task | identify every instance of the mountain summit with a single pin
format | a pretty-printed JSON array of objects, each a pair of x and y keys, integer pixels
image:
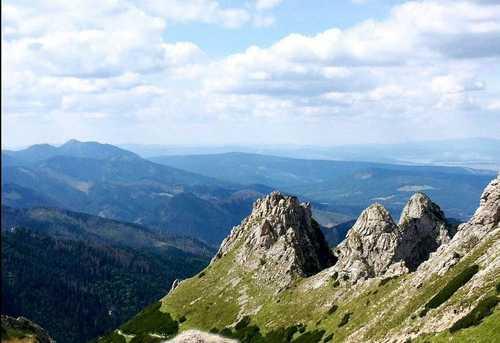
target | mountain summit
[
  {"x": 370, "y": 246},
  {"x": 376, "y": 246},
  {"x": 280, "y": 240},
  {"x": 423, "y": 229}
]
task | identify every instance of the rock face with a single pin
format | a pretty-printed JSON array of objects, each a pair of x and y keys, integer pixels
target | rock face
[
  {"x": 195, "y": 336},
  {"x": 485, "y": 221},
  {"x": 423, "y": 228},
  {"x": 488, "y": 213},
  {"x": 370, "y": 246},
  {"x": 376, "y": 246},
  {"x": 25, "y": 326},
  {"x": 456, "y": 287},
  {"x": 280, "y": 239}
]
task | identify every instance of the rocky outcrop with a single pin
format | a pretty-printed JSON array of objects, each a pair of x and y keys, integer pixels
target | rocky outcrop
[
  {"x": 370, "y": 246},
  {"x": 195, "y": 336},
  {"x": 280, "y": 239},
  {"x": 423, "y": 228},
  {"x": 275, "y": 243},
  {"x": 176, "y": 283},
  {"x": 25, "y": 326},
  {"x": 484, "y": 222},
  {"x": 376, "y": 246}
]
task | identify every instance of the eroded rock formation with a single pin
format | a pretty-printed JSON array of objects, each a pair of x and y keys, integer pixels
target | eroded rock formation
[{"x": 279, "y": 238}]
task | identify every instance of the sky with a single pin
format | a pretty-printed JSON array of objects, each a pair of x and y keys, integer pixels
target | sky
[{"x": 215, "y": 72}]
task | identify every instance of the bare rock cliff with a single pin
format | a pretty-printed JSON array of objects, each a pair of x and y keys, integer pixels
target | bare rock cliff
[
  {"x": 376, "y": 247},
  {"x": 280, "y": 240}
]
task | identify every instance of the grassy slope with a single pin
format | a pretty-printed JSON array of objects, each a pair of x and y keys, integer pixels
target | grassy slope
[{"x": 218, "y": 298}]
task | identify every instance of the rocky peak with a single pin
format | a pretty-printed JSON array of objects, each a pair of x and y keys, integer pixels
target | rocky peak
[
  {"x": 374, "y": 220},
  {"x": 485, "y": 222},
  {"x": 280, "y": 239},
  {"x": 376, "y": 246},
  {"x": 488, "y": 212},
  {"x": 420, "y": 207},
  {"x": 423, "y": 229},
  {"x": 370, "y": 245}
]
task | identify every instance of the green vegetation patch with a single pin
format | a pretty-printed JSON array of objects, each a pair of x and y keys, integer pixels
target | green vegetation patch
[
  {"x": 451, "y": 287},
  {"x": 332, "y": 309},
  {"x": 151, "y": 319},
  {"x": 8, "y": 333},
  {"x": 113, "y": 337},
  {"x": 484, "y": 308},
  {"x": 486, "y": 332},
  {"x": 345, "y": 319},
  {"x": 145, "y": 338},
  {"x": 246, "y": 333}
]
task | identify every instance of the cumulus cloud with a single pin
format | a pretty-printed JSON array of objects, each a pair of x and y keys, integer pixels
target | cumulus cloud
[
  {"x": 207, "y": 11},
  {"x": 428, "y": 68},
  {"x": 267, "y": 4}
]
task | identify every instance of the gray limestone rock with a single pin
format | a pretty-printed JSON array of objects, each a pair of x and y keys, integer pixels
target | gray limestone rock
[
  {"x": 280, "y": 240},
  {"x": 376, "y": 247}
]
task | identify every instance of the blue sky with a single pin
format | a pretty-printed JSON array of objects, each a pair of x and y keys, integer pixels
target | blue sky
[
  {"x": 294, "y": 16},
  {"x": 249, "y": 72}
]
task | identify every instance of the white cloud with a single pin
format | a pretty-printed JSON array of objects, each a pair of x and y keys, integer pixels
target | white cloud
[
  {"x": 267, "y": 4},
  {"x": 207, "y": 11},
  {"x": 429, "y": 68}
]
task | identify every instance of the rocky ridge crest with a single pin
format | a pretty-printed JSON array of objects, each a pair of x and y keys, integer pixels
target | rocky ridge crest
[
  {"x": 377, "y": 247},
  {"x": 279, "y": 238},
  {"x": 484, "y": 222}
]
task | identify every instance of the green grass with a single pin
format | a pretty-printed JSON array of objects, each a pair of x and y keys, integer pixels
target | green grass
[
  {"x": 113, "y": 337},
  {"x": 395, "y": 314},
  {"x": 483, "y": 309},
  {"x": 487, "y": 331},
  {"x": 13, "y": 333},
  {"x": 151, "y": 320},
  {"x": 219, "y": 300},
  {"x": 452, "y": 286},
  {"x": 345, "y": 319},
  {"x": 145, "y": 338}
]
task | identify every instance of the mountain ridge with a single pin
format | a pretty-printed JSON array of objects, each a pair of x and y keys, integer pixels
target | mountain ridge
[
  {"x": 436, "y": 302},
  {"x": 340, "y": 184},
  {"x": 130, "y": 189}
]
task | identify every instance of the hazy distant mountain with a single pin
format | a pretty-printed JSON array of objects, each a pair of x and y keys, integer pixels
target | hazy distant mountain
[
  {"x": 74, "y": 148},
  {"x": 343, "y": 186},
  {"x": 76, "y": 226},
  {"x": 18, "y": 196},
  {"x": 480, "y": 153},
  {"x": 120, "y": 185}
]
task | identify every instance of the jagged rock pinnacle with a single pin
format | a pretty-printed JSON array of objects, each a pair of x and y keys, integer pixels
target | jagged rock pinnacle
[
  {"x": 484, "y": 222},
  {"x": 423, "y": 229},
  {"x": 280, "y": 239},
  {"x": 370, "y": 245},
  {"x": 376, "y": 246},
  {"x": 418, "y": 207},
  {"x": 488, "y": 212}
]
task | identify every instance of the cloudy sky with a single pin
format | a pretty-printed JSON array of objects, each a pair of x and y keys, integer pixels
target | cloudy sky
[{"x": 316, "y": 72}]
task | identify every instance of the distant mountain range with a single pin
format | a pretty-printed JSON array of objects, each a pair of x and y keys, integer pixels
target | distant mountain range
[
  {"x": 110, "y": 182},
  {"x": 343, "y": 186},
  {"x": 481, "y": 153}
]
